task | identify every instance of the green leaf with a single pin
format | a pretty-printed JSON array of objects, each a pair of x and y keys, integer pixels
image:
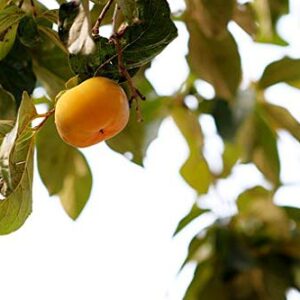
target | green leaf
[
  {"x": 293, "y": 213},
  {"x": 202, "y": 276},
  {"x": 16, "y": 73},
  {"x": 244, "y": 16},
  {"x": 3, "y": 3},
  {"x": 268, "y": 13},
  {"x": 51, "y": 67},
  {"x": 277, "y": 277},
  {"x": 5, "y": 127},
  {"x": 72, "y": 82},
  {"x": 10, "y": 16},
  {"x": 200, "y": 249},
  {"x": 7, "y": 39},
  {"x": 129, "y": 9},
  {"x": 194, "y": 213},
  {"x": 213, "y": 59},
  {"x": 140, "y": 43},
  {"x": 63, "y": 170},
  {"x": 28, "y": 32},
  {"x": 280, "y": 118},
  {"x": 42, "y": 100},
  {"x": 196, "y": 173},
  {"x": 137, "y": 136},
  {"x": 258, "y": 142},
  {"x": 77, "y": 185},
  {"x": 53, "y": 36},
  {"x": 265, "y": 155},
  {"x": 96, "y": 11},
  {"x": 7, "y": 105},
  {"x": 212, "y": 16},
  {"x": 260, "y": 218},
  {"x": 16, "y": 157},
  {"x": 247, "y": 197},
  {"x": 86, "y": 65},
  {"x": 195, "y": 170},
  {"x": 230, "y": 157},
  {"x": 50, "y": 15},
  {"x": 284, "y": 70}
]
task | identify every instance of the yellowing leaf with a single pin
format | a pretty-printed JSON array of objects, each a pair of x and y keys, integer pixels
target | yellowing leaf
[
  {"x": 193, "y": 214},
  {"x": 216, "y": 61},
  {"x": 137, "y": 136},
  {"x": 7, "y": 40},
  {"x": 9, "y": 16},
  {"x": 212, "y": 16},
  {"x": 195, "y": 170},
  {"x": 230, "y": 156},
  {"x": 263, "y": 218},
  {"x": 63, "y": 170},
  {"x": 280, "y": 118},
  {"x": 268, "y": 13},
  {"x": 7, "y": 105},
  {"x": 51, "y": 67},
  {"x": 258, "y": 143},
  {"x": 244, "y": 16},
  {"x": 284, "y": 70},
  {"x": 16, "y": 170}
]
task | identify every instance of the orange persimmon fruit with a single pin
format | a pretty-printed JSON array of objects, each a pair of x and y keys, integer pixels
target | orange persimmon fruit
[{"x": 93, "y": 111}]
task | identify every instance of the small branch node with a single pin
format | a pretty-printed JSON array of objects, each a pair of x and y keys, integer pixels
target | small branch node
[{"x": 95, "y": 29}]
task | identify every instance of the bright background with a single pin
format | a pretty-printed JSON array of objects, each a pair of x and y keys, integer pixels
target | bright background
[{"x": 121, "y": 247}]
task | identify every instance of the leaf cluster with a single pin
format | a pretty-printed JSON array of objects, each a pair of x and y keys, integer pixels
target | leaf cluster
[
  {"x": 253, "y": 255},
  {"x": 34, "y": 54}
]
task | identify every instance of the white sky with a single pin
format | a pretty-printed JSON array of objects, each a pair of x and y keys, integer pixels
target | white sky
[{"x": 121, "y": 247}]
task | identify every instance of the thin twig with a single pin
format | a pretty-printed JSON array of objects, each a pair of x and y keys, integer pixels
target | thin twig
[
  {"x": 46, "y": 116},
  {"x": 95, "y": 30},
  {"x": 21, "y": 3},
  {"x": 135, "y": 93},
  {"x": 115, "y": 17},
  {"x": 33, "y": 8}
]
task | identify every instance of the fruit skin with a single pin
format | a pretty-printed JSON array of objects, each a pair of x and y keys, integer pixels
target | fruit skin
[{"x": 94, "y": 111}]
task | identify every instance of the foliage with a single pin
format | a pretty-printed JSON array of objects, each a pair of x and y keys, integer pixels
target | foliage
[
  {"x": 252, "y": 255},
  {"x": 33, "y": 54}
]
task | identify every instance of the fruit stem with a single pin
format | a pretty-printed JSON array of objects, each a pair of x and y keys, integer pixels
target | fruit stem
[
  {"x": 46, "y": 116},
  {"x": 95, "y": 29}
]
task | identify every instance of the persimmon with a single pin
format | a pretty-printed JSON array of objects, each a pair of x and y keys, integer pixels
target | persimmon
[{"x": 93, "y": 111}]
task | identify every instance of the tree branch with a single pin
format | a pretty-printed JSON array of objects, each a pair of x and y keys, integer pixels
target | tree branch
[
  {"x": 135, "y": 93},
  {"x": 46, "y": 116},
  {"x": 95, "y": 30}
]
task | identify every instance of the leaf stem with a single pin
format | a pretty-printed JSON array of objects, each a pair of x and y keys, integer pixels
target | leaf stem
[
  {"x": 95, "y": 29},
  {"x": 46, "y": 116}
]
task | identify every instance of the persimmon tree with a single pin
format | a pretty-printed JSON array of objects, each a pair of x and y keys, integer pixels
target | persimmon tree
[{"x": 252, "y": 255}]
